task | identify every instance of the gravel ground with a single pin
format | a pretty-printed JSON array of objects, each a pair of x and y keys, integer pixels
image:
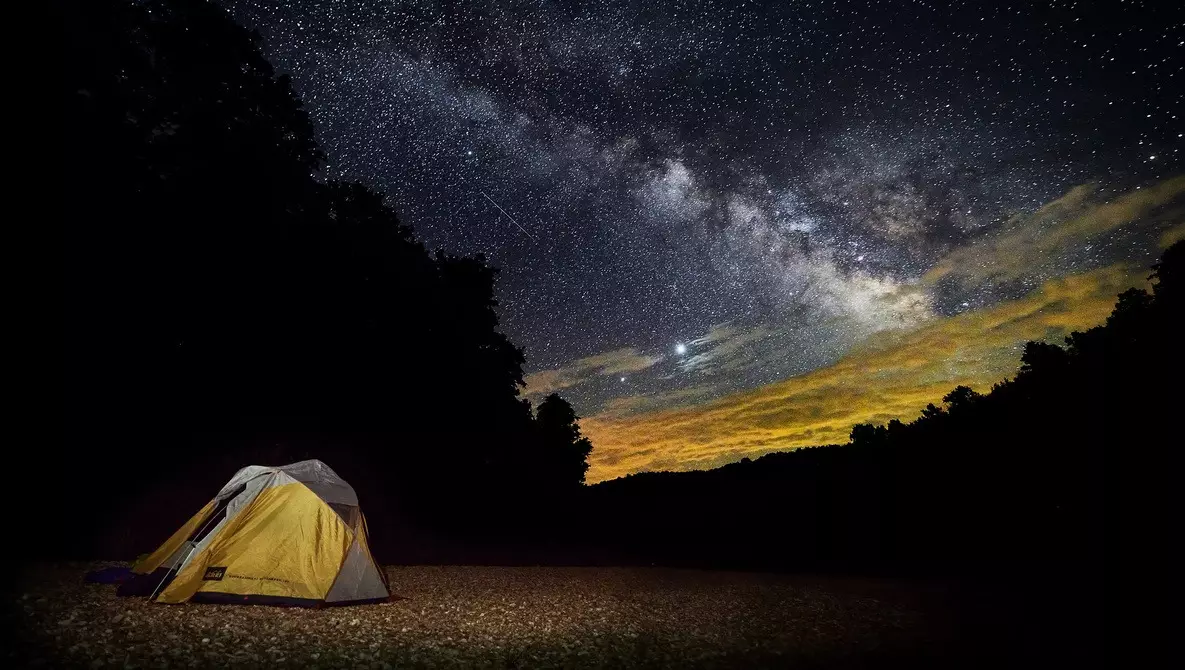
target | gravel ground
[{"x": 489, "y": 617}]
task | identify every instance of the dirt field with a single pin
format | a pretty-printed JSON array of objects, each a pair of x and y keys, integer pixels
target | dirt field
[{"x": 492, "y": 617}]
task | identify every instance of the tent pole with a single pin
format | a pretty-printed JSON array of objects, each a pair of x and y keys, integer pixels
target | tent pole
[
  {"x": 162, "y": 579},
  {"x": 213, "y": 515}
]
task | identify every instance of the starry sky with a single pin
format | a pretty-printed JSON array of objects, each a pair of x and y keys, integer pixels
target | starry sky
[{"x": 729, "y": 228}]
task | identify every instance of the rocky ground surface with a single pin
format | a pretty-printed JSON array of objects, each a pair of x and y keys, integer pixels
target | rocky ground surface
[{"x": 502, "y": 617}]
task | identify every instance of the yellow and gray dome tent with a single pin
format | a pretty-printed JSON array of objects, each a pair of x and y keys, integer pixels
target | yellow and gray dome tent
[{"x": 287, "y": 535}]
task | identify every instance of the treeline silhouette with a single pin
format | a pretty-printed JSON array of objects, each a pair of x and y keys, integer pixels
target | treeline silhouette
[
  {"x": 985, "y": 483},
  {"x": 226, "y": 304}
]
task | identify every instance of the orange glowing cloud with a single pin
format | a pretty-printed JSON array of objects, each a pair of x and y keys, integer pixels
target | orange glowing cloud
[{"x": 892, "y": 376}]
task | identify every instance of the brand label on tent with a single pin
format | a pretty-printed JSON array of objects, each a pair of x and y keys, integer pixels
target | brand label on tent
[{"x": 214, "y": 574}]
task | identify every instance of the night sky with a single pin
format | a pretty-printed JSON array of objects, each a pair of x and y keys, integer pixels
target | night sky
[{"x": 735, "y": 227}]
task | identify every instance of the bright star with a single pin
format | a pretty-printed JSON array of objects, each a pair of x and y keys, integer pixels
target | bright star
[{"x": 680, "y": 348}]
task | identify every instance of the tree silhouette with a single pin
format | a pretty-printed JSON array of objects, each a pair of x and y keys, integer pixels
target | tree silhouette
[
  {"x": 225, "y": 303},
  {"x": 1169, "y": 274},
  {"x": 564, "y": 448},
  {"x": 866, "y": 433},
  {"x": 961, "y": 398}
]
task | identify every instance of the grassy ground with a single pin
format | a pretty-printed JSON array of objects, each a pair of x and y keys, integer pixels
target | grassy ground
[{"x": 493, "y": 617}]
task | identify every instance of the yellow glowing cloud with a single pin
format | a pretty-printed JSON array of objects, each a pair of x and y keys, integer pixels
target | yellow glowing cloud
[
  {"x": 1027, "y": 242},
  {"x": 609, "y": 363},
  {"x": 1173, "y": 235},
  {"x": 892, "y": 376}
]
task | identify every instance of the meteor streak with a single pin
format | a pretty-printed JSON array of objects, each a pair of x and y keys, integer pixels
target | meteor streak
[{"x": 507, "y": 215}]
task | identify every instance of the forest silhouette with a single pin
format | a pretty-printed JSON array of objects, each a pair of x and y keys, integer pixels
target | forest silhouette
[
  {"x": 986, "y": 483},
  {"x": 225, "y": 304}
]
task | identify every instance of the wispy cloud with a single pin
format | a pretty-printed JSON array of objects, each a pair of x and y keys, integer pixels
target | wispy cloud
[
  {"x": 891, "y": 376},
  {"x": 1029, "y": 243},
  {"x": 610, "y": 363},
  {"x": 724, "y": 347},
  {"x": 1174, "y": 234},
  {"x": 634, "y": 404}
]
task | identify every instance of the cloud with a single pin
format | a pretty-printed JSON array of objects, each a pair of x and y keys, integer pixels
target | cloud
[
  {"x": 628, "y": 405},
  {"x": 723, "y": 347},
  {"x": 1029, "y": 242},
  {"x": 1172, "y": 235},
  {"x": 893, "y": 352},
  {"x": 891, "y": 376},
  {"x": 610, "y": 363}
]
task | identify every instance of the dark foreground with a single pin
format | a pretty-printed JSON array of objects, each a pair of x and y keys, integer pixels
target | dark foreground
[{"x": 509, "y": 617}]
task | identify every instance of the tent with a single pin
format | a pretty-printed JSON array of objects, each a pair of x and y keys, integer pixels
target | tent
[{"x": 287, "y": 535}]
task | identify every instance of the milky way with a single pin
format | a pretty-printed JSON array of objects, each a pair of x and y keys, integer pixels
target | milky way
[{"x": 691, "y": 199}]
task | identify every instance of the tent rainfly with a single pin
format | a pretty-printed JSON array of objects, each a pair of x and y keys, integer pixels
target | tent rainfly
[{"x": 287, "y": 535}]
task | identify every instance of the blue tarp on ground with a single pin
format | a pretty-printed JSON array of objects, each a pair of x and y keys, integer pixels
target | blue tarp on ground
[{"x": 114, "y": 575}]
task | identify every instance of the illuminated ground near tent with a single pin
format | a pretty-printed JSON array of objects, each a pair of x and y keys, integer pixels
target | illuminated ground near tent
[{"x": 490, "y": 616}]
